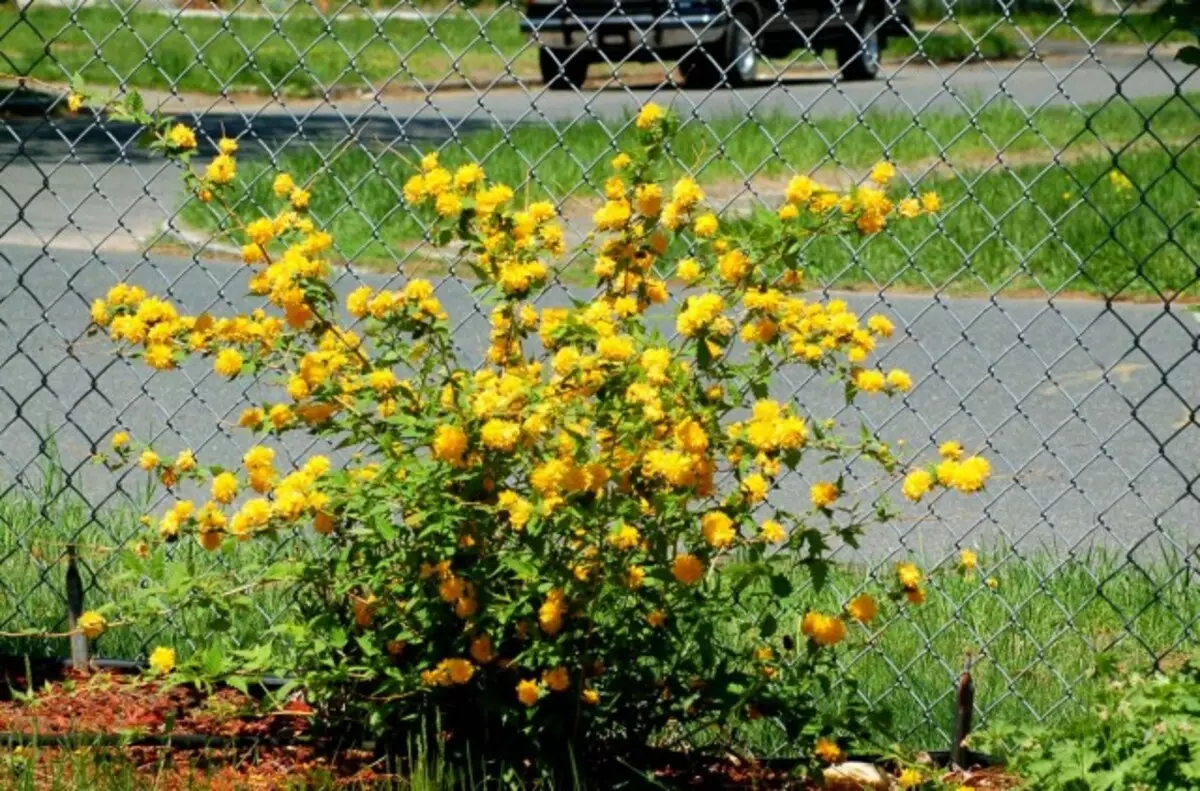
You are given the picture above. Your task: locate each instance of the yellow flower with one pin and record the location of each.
(120, 440)
(228, 363)
(869, 381)
(800, 189)
(967, 560)
(158, 356)
(74, 102)
(862, 608)
(481, 649)
(823, 494)
(930, 202)
(458, 670)
(916, 484)
(788, 212)
(952, 449)
(992, 583)
(253, 254)
(686, 193)
(222, 169)
(528, 692)
(621, 161)
(224, 487)
(148, 460)
(687, 569)
(261, 231)
(283, 185)
(946, 471)
(689, 271)
(299, 198)
(99, 313)
(827, 750)
(185, 461)
(227, 146)
(719, 532)
(899, 379)
(1119, 180)
(590, 696)
(909, 208)
(162, 660)
(181, 138)
(649, 116)
(881, 326)
(625, 537)
(772, 532)
(448, 204)
(656, 618)
(909, 575)
(501, 435)
(92, 624)
(449, 444)
(882, 173)
(251, 417)
(558, 680)
(430, 161)
(915, 596)
(824, 630)
(468, 176)
(706, 226)
(971, 474)
(910, 778)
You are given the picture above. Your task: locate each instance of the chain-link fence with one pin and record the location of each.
(1041, 314)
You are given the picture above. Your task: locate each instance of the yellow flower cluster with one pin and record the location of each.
(511, 522)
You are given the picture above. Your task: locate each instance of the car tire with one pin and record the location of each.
(731, 61)
(562, 70)
(858, 57)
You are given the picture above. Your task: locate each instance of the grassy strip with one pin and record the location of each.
(1033, 632)
(1042, 227)
(305, 55)
(994, 233)
(1076, 24)
(300, 55)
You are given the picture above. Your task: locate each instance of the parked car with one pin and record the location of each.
(717, 42)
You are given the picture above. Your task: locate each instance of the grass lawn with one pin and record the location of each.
(995, 231)
(1032, 635)
(1077, 23)
(305, 55)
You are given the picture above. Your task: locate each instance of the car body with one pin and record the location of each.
(715, 41)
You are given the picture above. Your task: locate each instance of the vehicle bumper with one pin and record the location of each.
(625, 33)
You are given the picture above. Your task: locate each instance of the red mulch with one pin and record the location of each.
(107, 704)
(267, 755)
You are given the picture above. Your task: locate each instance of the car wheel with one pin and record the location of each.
(858, 57)
(562, 70)
(731, 61)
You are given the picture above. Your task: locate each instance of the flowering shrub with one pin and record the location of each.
(576, 542)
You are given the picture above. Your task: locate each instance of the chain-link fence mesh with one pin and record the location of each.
(1041, 314)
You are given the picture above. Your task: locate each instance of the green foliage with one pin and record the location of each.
(1144, 733)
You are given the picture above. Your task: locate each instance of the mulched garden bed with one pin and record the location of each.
(182, 738)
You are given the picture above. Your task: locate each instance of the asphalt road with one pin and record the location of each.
(1083, 408)
(72, 182)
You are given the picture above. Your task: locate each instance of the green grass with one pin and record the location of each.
(992, 231)
(302, 57)
(1062, 227)
(305, 56)
(1032, 636)
(1077, 24)
(40, 519)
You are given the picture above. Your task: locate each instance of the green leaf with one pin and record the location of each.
(781, 586)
